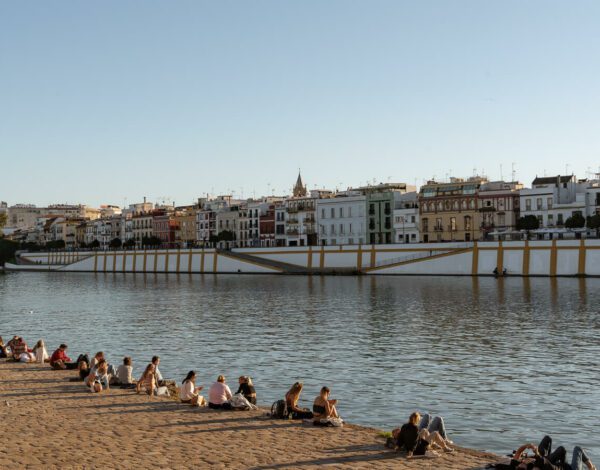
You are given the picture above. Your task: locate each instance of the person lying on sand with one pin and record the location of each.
(291, 400)
(543, 458)
(188, 393)
(219, 395)
(18, 346)
(418, 442)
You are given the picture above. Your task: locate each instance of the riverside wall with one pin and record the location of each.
(519, 258)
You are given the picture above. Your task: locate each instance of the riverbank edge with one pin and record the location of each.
(44, 407)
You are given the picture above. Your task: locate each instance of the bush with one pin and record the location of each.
(7, 250)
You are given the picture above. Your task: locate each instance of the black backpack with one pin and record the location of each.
(279, 410)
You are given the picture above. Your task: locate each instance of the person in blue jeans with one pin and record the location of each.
(432, 424)
(579, 458)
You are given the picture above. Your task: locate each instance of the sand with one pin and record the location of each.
(50, 422)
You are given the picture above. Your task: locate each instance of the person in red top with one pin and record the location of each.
(60, 360)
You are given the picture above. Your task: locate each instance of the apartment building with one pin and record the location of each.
(341, 218)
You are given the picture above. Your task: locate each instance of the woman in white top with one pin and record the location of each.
(41, 355)
(219, 395)
(188, 393)
(98, 380)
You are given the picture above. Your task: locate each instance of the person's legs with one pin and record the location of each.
(579, 458)
(437, 424)
(436, 439)
(559, 456)
(545, 447)
(71, 365)
(334, 413)
(425, 420)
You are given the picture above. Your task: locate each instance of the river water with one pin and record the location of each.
(504, 361)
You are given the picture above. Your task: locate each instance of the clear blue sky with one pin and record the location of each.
(101, 101)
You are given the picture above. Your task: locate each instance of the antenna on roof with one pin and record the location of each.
(501, 175)
(514, 173)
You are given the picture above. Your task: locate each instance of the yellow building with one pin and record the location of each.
(449, 211)
(186, 221)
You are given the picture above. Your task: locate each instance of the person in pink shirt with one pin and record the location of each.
(219, 395)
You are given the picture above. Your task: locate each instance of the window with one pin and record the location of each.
(332, 229)
(501, 220)
(341, 229)
(438, 224)
(527, 204)
(488, 203)
(351, 241)
(349, 228)
(453, 224)
(541, 220)
(550, 219)
(323, 230)
(413, 236)
(333, 241)
(332, 213)
(467, 223)
(349, 211)
(538, 203)
(425, 222)
(559, 219)
(472, 204)
(412, 219)
(323, 213)
(341, 212)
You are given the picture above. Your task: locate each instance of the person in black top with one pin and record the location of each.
(247, 389)
(417, 442)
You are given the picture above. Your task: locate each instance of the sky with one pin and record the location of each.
(108, 102)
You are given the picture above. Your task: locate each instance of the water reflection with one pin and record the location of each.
(504, 360)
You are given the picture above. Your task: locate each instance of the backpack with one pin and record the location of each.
(279, 410)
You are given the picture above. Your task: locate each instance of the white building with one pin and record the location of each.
(341, 218)
(406, 218)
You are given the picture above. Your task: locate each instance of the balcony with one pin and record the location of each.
(292, 231)
(438, 228)
(452, 228)
(309, 218)
(292, 210)
(292, 220)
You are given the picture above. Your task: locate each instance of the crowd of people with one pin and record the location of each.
(422, 436)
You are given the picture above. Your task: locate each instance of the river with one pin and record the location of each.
(505, 361)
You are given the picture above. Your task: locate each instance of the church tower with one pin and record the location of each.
(299, 188)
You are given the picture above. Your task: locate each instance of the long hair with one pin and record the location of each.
(190, 375)
(414, 418)
(149, 368)
(294, 392)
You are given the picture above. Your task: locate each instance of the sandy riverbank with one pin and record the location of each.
(49, 422)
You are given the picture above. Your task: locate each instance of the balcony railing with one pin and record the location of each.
(292, 231)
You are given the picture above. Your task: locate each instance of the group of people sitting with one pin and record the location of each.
(422, 435)
(324, 410)
(219, 393)
(18, 350)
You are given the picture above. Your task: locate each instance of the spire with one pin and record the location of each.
(299, 188)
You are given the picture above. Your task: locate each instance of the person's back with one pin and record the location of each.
(125, 374)
(408, 438)
(219, 393)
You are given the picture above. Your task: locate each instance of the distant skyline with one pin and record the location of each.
(105, 103)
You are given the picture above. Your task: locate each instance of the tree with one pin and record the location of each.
(55, 245)
(527, 223)
(94, 244)
(3, 220)
(151, 241)
(129, 243)
(575, 221)
(213, 239)
(115, 243)
(593, 223)
(226, 236)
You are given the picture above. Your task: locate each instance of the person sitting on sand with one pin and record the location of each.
(188, 393)
(323, 407)
(3, 349)
(159, 378)
(41, 355)
(246, 388)
(27, 357)
(147, 381)
(544, 459)
(18, 347)
(124, 376)
(219, 395)
(418, 442)
(291, 400)
(98, 379)
(59, 359)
